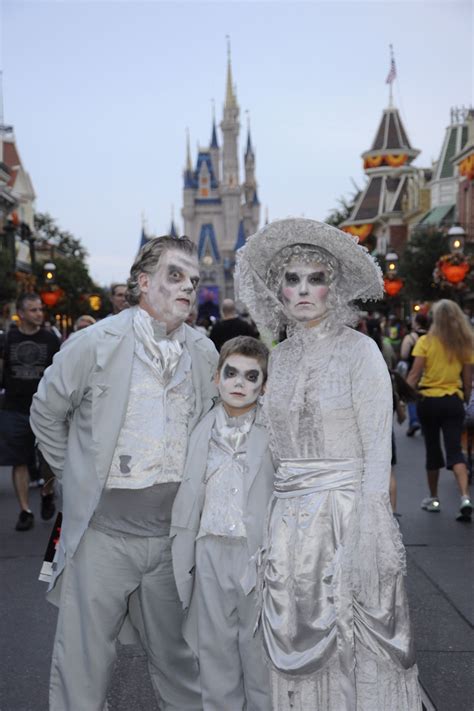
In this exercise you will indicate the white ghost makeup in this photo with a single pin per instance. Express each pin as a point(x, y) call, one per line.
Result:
point(169, 294)
point(240, 382)
point(304, 290)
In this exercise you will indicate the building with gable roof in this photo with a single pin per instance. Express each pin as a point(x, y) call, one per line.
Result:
point(444, 184)
point(396, 192)
point(463, 161)
point(219, 212)
point(17, 198)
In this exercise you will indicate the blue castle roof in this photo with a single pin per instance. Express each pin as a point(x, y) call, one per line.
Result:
point(143, 239)
point(240, 236)
point(208, 237)
point(214, 143)
point(191, 178)
point(173, 230)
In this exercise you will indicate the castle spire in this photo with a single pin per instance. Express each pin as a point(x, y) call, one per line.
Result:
point(230, 100)
point(189, 165)
point(249, 149)
point(214, 142)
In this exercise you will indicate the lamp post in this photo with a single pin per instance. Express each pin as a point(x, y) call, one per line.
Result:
point(456, 238)
point(51, 294)
point(392, 282)
point(452, 269)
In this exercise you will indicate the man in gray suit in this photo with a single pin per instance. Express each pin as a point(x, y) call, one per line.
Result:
point(112, 416)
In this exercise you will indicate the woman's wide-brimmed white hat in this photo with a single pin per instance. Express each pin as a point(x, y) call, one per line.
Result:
point(359, 276)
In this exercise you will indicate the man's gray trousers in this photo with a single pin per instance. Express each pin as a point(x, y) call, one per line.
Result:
point(96, 586)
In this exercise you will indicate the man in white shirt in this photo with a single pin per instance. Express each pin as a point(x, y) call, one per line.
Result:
point(112, 417)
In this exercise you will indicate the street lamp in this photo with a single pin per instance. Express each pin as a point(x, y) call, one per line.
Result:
point(51, 294)
point(391, 262)
point(392, 282)
point(49, 272)
point(456, 237)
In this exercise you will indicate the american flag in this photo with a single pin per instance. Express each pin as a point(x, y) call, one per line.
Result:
point(391, 76)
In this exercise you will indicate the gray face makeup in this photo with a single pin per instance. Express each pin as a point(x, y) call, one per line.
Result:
point(304, 290)
point(240, 382)
point(169, 294)
point(251, 375)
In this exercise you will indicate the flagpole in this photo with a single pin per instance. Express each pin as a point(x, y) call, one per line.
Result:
point(391, 76)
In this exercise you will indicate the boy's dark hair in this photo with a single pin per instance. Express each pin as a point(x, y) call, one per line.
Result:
point(23, 298)
point(248, 347)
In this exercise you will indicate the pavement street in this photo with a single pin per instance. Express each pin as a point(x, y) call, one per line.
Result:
point(440, 585)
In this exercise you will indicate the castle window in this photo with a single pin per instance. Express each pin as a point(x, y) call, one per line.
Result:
point(204, 181)
point(204, 192)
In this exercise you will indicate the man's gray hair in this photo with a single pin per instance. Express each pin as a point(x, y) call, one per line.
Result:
point(148, 257)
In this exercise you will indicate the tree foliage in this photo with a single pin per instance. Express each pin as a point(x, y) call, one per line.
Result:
point(417, 263)
point(345, 205)
point(68, 246)
point(72, 273)
point(7, 278)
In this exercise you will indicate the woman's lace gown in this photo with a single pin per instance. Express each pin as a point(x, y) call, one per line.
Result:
point(335, 614)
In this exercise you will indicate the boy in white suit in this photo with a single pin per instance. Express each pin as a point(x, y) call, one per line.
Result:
point(217, 527)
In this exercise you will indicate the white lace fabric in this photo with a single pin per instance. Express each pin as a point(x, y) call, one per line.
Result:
point(334, 603)
point(151, 447)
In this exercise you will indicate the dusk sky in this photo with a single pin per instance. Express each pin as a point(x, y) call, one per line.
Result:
point(100, 95)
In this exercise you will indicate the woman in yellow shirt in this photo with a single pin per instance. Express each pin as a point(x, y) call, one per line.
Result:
point(442, 371)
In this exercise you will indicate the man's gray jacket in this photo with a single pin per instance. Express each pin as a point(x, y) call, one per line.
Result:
point(79, 409)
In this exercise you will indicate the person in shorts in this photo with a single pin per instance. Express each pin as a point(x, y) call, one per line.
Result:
point(28, 351)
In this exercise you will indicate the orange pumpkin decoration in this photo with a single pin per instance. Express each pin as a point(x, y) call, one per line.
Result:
point(394, 160)
point(51, 298)
point(373, 161)
point(466, 167)
point(360, 231)
point(454, 273)
point(392, 286)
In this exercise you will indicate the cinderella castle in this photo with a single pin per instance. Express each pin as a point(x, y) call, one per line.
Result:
point(219, 212)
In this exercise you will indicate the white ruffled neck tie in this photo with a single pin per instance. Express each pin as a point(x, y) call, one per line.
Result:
point(154, 346)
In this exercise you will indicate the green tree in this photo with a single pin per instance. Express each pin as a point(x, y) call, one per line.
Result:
point(345, 205)
point(72, 272)
point(67, 245)
point(417, 263)
point(7, 277)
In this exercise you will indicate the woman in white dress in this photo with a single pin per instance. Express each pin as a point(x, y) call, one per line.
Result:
point(335, 615)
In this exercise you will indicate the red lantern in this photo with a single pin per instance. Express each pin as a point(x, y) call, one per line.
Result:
point(51, 298)
point(454, 273)
point(392, 286)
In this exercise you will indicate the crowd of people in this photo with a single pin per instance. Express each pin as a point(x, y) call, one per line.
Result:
point(228, 504)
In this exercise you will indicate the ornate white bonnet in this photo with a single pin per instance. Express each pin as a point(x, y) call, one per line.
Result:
point(358, 274)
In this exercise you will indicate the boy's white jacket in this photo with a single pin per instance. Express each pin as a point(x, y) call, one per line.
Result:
point(189, 502)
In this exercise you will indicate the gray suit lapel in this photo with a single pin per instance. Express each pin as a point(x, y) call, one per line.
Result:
point(110, 392)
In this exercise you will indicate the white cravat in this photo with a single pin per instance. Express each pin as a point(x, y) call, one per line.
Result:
point(154, 346)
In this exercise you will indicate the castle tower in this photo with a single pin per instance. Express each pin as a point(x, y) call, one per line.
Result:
point(220, 212)
point(230, 189)
point(378, 211)
point(379, 216)
point(251, 206)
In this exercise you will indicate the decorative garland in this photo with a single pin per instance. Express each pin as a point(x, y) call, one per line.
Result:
point(451, 271)
point(394, 160)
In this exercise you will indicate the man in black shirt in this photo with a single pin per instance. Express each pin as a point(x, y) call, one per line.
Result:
point(28, 351)
point(230, 326)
